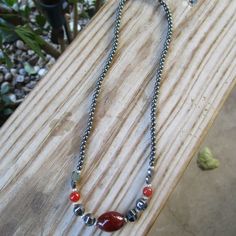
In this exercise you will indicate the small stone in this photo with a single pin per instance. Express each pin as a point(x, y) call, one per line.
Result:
point(37, 77)
point(31, 84)
point(48, 57)
point(30, 52)
point(24, 56)
point(4, 69)
point(22, 71)
point(11, 48)
point(18, 53)
point(51, 62)
point(19, 66)
point(36, 68)
point(26, 90)
point(20, 79)
point(40, 61)
point(33, 60)
point(19, 93)
point(42, 72)
point(1, 77)
point(13, 71)
point(8, 76)
point(20, 45)
point(27, 79)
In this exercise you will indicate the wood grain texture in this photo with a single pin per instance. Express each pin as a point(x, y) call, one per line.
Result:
point(39, 142)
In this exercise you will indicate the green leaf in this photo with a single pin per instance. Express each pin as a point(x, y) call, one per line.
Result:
point(31, 39)
point(7, 60)
point(9, 99)
point(40, 20)
point(25, 10)
point(7, 111)
point(29, 69)
point(5, 87)
point(7, 32)
point(10, 2)
point(206, 160)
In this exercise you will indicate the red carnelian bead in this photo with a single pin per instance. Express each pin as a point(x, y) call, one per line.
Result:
point(74, 196)
point(147, 191)
point(110, 221)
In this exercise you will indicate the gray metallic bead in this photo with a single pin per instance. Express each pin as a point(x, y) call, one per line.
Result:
point(150, 172)
point(148, 179)
point(132, 215)
point(89, 220)
point(151, 163)
point(73, 184)
point(141, 204)
point(79, 210)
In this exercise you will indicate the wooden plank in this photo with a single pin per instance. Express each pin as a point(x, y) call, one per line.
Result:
point(39, 141)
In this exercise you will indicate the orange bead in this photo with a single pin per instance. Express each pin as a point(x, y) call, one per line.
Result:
point(74, 196)
point(147, 191)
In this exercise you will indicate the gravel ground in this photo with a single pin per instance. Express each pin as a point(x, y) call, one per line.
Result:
point(28, 69)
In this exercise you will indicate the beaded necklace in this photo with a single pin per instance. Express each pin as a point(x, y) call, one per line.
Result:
point(112, 220)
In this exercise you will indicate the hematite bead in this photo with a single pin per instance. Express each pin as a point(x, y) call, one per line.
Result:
point(150, 172)
point(132, 215)
point(89, 220)
point(148, 179)
point(78, 210)
point(141, 204)
point(73, 184)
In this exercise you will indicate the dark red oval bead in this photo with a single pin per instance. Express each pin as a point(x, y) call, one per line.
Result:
point(110, 221)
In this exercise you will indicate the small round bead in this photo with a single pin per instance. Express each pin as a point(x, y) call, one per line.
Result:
point(147, 191)
point(151, 163)
point(141, 204)
point(73, 184)
point(148, 179)
point(150, 172)
point(131, 215)
point(89, 220)
point(74, 196)
point(79, 210)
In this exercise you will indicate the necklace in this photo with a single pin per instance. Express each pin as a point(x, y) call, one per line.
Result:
point(112, 221)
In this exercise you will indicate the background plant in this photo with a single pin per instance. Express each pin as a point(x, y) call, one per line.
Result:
point(26, 21)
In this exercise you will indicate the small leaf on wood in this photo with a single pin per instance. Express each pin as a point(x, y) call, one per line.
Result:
point(206, 160)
